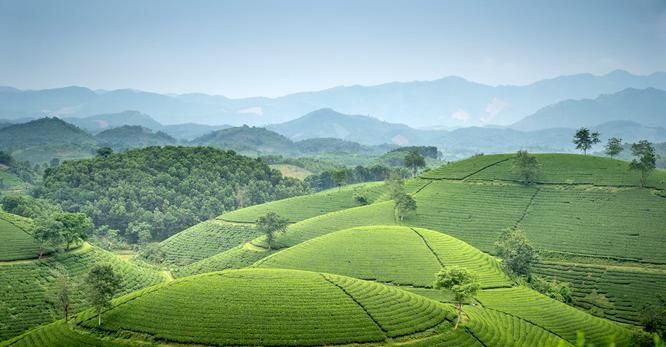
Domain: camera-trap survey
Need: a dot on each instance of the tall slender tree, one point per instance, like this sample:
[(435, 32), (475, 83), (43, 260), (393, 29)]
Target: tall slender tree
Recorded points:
[(645, 161), (526, 166), (101, 284), (613, 147)]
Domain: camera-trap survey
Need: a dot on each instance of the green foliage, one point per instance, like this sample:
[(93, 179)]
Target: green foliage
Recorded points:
[(16, 242), (526, 166), (168, 188), (654, 317), (339, 177), (270, 225), (104, 151), (26, 206), (61, 294), (463, 168), (74, 227), (101, 284), (47, 233), (560, 291), (613, 147), (405, 205), (414, 161), (584, 140), (6, 158), (133, 136), (25, 286), (461, 282), (358, 174), (646, 161), (518, 255)]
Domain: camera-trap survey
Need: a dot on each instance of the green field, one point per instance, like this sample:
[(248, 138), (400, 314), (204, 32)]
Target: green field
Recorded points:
[(10, 183), (464, 168), (291, 171), (613, 292), (205, 240), (15, 240), (24, 285), (302, 207), (394, 254)]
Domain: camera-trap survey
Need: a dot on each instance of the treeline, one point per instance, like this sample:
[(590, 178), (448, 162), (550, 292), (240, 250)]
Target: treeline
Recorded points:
[(336, 177), (149, 194)]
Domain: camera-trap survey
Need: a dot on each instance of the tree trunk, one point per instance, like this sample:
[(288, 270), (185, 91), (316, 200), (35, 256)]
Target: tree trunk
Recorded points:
[(65, 309), (459, 309), (41, 252), (99, 317)]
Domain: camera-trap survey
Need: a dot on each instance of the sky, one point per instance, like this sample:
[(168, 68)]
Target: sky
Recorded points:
[(272, 48)]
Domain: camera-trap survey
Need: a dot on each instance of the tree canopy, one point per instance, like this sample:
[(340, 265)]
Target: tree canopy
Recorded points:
[(414, 161), (461, 282), (101, 284), (526, 166), (646, 159), (168, 188), (613, 147), (271, 224), (584, 140), (517, 254)]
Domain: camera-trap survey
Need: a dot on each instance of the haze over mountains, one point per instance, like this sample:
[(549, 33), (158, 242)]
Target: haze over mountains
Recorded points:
[(447, 102)]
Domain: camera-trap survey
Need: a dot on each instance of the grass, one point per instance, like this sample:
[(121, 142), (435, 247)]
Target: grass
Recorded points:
[(292, 171), (205, 240), (463, 168), (618, 293), (303, 207), (554, 316), (10, 183), (271, 307), (395, 254), (16, 243), (58, 334), (25, 285)]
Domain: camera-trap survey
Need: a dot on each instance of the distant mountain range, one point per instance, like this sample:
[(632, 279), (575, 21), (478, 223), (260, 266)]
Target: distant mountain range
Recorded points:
[(449, 102)]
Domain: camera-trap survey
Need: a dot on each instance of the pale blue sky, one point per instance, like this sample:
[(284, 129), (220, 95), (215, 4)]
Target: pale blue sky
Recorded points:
[(271, 48)]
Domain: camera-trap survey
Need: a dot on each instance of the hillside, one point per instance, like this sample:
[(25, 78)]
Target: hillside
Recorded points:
[(16, 241), (644, 106), (100, 122), (247, 140), (25, 285), (133, 136), (43, 131)]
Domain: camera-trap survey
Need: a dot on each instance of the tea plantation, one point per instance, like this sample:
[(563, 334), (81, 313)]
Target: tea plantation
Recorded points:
[(16, 242)]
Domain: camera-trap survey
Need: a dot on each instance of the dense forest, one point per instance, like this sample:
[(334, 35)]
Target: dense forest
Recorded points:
[(151, 193)]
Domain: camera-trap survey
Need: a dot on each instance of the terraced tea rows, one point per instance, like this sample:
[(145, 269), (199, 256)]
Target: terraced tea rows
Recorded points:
[(272, 307), (24, 285), (554, 316), (574, 169), (474, 213), (616, 293), (393, 254), (58, 335), (303, 207), (15, 241), (463, 168), (496, 328), (205, 240), (618, 223)]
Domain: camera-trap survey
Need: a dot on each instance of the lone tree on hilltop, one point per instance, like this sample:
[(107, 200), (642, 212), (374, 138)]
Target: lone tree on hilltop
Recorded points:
[(414, 161), (74, 227), (101, 285), (271, 224), (613, 147), (516, 252), (526, 166), (405, 204), (339, 177), (584, 139), (461, 282), (646, 160)]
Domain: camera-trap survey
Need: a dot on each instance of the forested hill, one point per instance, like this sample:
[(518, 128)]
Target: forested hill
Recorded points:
[(42, 132), (151, 193), (133, 136)]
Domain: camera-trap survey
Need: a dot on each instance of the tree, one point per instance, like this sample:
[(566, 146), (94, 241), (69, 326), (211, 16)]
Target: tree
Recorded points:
[(414, 161), (526, 166), (339, 177), (101, 284), (461, 282), (6, 158), (271, 224), (47, 233), (653, 316), (517, 254), (405, 204), (613, 147), (62, 290), (584, 139), (104, 151), (646, 161), (74, 227), (395, 186)]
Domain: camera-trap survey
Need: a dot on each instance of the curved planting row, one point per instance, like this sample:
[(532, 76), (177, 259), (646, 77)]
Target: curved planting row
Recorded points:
[(396, 311), (24, 286), (617, 293), (15, 240), (205, 240), (554, 316), (307, 206), (463, 168), (495, 328), (59, 334)]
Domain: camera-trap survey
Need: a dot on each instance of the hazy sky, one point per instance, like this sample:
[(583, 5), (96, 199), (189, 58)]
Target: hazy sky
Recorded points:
[(271, 48)]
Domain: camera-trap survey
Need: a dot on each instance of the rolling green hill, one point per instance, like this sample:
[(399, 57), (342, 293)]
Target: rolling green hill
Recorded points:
[(395, 254), (132, 136), (25, 285), (16, 243), (247, 307)]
